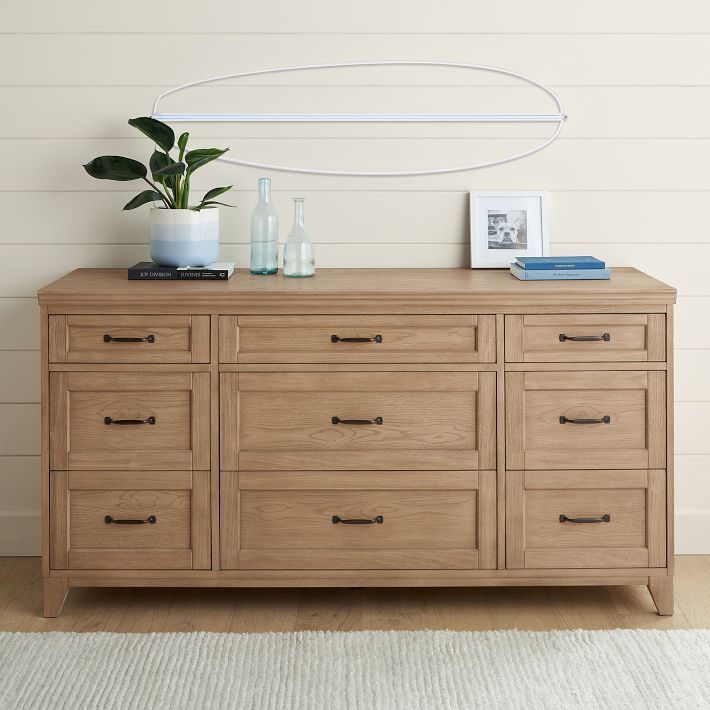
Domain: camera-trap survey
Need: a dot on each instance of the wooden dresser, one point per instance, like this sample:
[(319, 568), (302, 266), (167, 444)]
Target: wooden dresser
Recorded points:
[(429, 427)]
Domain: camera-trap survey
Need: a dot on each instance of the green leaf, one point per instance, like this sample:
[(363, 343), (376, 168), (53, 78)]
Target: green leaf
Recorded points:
[(197, 158), (157, 131), (142, 198), (216, 192), (158, 161), (171, 169), (182, 143), (115, 167), (211, 203)]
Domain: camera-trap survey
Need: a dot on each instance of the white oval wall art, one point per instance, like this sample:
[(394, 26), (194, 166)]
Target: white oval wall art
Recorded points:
[(556, 119)]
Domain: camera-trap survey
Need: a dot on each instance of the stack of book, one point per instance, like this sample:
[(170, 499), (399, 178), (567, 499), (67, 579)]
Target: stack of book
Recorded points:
[(559, 268)]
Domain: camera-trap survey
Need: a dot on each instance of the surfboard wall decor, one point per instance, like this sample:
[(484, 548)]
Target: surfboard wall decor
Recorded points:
[(556, 118)]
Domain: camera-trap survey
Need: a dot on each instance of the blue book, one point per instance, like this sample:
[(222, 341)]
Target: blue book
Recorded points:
[(559, 262), (560, 274)]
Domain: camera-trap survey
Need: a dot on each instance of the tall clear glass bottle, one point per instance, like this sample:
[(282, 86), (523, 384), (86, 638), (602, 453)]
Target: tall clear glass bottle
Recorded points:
[(299, 251), (264, 233)]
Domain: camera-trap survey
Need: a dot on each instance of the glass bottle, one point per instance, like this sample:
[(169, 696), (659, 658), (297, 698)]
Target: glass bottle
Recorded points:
[(299, 251), (264, 232)]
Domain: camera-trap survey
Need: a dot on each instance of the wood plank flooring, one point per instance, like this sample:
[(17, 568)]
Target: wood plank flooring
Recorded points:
[(536, 608)]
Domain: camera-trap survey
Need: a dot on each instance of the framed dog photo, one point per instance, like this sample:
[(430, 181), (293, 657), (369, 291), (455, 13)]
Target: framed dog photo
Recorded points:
[(506, 225)]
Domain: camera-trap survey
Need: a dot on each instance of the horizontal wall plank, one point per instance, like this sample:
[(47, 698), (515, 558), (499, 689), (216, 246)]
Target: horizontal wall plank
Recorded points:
[(691, 530), (691, 317), (369, 216), (364, 16), (691, 436), (19, 323), (20, 533), (19, 430), (551, 58), (692, 383), (565, 165), (692, 480), (20, 483), (594, 112), (21, 376)]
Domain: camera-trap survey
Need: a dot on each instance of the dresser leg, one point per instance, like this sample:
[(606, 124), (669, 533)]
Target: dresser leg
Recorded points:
[(55, 592), (661, 589)]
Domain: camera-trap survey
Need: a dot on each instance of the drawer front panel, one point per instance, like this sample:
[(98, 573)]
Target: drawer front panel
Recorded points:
[(357, 339), (585, 338), (335, 521), (353, 421), (116, 520), (586, 519), (105, 420), (596, 420), (129, 339)]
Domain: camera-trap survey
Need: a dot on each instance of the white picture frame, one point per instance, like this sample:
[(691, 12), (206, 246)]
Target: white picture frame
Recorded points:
[(506, 225)]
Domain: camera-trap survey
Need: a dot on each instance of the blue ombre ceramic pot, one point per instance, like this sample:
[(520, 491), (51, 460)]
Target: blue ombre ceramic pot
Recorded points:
[(184, 237)]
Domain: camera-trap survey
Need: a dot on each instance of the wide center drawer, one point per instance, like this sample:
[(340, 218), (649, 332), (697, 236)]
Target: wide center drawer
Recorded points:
[(130, 520), (129, 420), (358, 520), (359, 420), (357, 339), (129, 339)]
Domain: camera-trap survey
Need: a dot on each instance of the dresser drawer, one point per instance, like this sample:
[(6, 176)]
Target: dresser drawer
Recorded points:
[(591, 519), (126, 520), (626, 337), (129, 420), (592, 420), (358, 520), (120, 339), (357, 339), (358, 420)]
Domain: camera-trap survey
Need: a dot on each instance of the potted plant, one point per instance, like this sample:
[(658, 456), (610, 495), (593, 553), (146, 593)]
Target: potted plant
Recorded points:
[(180, 234)]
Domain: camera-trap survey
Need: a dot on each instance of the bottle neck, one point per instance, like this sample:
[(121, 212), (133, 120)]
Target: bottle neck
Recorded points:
[(265, 190), (298, 212)]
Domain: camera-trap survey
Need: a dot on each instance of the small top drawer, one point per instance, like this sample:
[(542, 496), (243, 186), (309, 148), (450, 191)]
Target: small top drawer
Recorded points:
[(614, 337), (129, 338), (357, 339)]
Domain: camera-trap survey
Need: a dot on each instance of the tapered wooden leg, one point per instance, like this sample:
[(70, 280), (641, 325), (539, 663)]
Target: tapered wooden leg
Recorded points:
[(55, 592), (661, 589)]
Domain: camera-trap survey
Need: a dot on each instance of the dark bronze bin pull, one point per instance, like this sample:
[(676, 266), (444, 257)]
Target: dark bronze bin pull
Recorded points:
[(585, 338), (606, 518), (338, 339), (376, 420), (149, 420), (110, 339), (150, 519), (357, 521), (603, 420)]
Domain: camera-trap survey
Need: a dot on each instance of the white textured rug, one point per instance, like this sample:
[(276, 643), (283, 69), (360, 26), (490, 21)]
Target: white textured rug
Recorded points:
[(371, 669)]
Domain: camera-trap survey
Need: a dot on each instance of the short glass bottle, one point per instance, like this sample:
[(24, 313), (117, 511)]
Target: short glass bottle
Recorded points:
[(264, 233), (299, 251)]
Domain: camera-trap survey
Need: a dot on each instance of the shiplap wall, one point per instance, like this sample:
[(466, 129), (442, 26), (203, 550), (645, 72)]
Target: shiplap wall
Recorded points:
[(628, 180)]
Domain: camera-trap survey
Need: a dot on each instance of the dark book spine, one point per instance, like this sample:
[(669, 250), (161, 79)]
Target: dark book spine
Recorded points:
[(152, 275)]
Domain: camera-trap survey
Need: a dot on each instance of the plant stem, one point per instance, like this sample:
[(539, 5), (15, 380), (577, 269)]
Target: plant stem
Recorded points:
[(165, 199), (186, 191)]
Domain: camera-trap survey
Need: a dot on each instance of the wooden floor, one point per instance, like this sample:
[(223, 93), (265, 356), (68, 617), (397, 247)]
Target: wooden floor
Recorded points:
[(540, 608)]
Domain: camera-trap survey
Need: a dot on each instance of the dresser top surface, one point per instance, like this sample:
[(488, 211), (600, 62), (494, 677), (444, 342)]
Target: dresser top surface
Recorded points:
[(459, 287)]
